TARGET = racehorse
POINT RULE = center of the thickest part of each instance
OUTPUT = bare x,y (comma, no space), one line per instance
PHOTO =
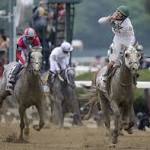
64,97
28,89
117,102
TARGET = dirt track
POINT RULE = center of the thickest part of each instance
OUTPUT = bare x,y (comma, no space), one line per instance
74,138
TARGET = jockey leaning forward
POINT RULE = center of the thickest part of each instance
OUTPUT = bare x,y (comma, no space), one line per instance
124,34
59,60
28,40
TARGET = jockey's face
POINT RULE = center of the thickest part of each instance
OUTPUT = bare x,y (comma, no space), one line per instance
65,52
30,39
119,15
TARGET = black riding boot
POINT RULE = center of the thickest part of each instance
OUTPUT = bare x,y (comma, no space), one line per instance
51,80
14,74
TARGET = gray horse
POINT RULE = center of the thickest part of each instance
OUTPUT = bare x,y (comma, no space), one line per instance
28,89
117,103
64,97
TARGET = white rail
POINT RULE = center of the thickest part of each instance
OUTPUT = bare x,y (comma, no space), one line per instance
140,84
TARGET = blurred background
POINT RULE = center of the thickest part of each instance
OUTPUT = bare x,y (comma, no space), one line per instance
75,21
93,38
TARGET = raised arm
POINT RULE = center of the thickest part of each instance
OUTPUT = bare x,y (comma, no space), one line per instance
104,20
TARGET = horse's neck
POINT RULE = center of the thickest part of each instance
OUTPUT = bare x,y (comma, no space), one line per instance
31,77
125,75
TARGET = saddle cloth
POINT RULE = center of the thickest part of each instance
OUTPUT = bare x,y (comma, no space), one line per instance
101,83
8,76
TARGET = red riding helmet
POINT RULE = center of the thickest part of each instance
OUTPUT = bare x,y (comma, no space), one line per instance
29,33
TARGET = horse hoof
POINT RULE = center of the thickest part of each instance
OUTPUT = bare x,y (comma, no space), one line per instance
21,140
129,131
36,127
112,145
79,123
121,133
114,140
26,131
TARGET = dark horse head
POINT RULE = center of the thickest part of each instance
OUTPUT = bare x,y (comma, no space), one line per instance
67,76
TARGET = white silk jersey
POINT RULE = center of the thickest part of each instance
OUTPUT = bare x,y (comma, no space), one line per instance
58,60
124,35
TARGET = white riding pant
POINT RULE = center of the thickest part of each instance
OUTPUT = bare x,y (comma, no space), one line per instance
54,66
119,43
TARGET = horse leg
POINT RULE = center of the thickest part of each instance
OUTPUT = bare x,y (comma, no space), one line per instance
130,119
58,112
40,109
3,96
26,130
75,109
115,122
105,109
22,124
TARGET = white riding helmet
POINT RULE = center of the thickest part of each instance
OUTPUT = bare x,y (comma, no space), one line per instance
66,47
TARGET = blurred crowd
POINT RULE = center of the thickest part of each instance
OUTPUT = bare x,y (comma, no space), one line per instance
45,19
4,46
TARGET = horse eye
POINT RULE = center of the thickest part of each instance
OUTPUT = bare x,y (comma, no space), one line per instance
127,55
138,55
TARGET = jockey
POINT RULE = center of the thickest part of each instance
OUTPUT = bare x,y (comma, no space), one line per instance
25,42
124,34
59,59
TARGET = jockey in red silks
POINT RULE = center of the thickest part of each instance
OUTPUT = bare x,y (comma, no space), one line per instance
25,42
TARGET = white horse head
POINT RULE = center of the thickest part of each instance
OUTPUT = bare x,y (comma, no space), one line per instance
35,59
132,58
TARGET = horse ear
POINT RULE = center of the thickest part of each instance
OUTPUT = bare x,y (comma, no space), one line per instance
136,45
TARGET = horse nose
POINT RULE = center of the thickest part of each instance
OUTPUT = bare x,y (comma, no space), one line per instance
135,67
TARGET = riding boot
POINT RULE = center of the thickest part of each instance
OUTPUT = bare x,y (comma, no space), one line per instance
106,75
14,74
51,78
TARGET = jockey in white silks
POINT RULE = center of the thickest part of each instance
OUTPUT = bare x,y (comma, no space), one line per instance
124,34
59,59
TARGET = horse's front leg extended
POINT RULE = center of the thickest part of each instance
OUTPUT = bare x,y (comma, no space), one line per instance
130,118
22,124
40,108
105,109
26,130
115,122
75,107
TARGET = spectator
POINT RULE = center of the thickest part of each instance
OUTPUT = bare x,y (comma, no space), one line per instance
39,23
4,45
40,20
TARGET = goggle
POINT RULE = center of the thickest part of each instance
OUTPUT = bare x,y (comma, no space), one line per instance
66,52
30,38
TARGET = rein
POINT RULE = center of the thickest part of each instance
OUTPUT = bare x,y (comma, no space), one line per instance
125,84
